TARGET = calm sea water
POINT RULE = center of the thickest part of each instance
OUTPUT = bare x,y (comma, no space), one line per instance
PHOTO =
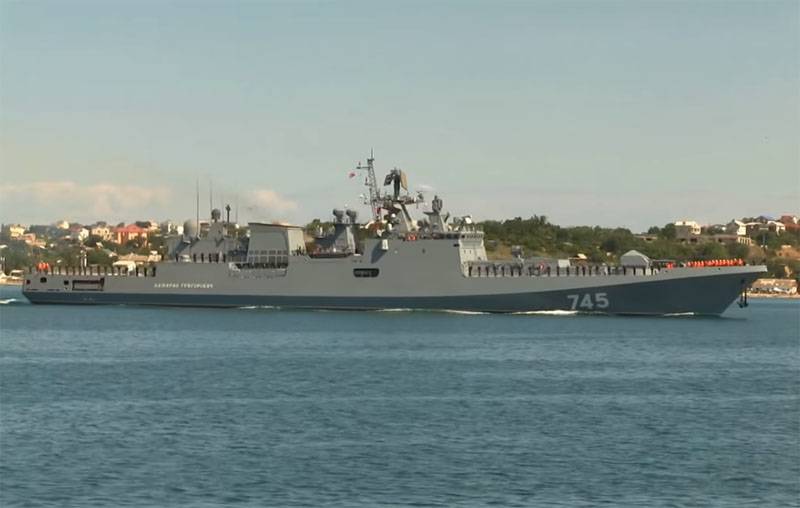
118,406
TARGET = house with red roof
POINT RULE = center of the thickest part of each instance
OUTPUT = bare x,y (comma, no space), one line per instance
791,222
124,234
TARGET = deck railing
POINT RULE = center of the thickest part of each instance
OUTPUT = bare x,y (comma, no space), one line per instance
484,270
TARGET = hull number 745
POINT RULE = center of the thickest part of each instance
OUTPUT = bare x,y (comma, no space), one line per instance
588,301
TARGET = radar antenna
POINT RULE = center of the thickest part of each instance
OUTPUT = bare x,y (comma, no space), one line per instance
372,183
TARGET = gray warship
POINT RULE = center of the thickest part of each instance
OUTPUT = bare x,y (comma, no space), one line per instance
391,261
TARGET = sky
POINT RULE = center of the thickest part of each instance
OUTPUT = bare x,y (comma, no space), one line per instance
611,113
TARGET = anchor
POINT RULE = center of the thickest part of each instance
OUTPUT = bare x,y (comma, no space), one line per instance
743,296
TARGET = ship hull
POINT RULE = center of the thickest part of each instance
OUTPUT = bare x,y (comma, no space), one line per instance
683,291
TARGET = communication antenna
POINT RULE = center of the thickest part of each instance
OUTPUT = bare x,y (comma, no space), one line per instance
210,197
372,184
197,208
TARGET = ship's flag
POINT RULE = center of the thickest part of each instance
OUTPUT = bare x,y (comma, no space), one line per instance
351,174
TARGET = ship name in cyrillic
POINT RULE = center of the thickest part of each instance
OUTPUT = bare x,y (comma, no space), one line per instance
183,285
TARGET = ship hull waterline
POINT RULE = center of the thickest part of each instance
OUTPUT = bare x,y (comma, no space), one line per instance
711,294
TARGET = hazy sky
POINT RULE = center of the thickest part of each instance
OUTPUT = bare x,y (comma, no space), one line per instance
610,113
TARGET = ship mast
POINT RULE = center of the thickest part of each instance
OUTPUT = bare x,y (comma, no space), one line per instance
372,183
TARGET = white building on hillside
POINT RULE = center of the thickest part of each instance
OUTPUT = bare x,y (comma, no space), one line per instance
736,227
16,231
102,231
78,233
687,230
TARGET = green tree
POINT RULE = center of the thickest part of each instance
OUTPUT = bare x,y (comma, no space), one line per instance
92,240
619,241
668,231
711,250
98,257
737,250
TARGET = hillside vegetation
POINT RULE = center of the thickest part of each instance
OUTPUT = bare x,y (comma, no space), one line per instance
538,236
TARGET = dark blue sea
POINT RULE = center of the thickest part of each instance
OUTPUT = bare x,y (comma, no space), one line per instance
135,406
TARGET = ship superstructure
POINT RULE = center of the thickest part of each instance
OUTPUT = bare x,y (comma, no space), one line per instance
393,260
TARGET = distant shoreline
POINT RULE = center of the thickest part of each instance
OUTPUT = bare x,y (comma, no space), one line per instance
768,295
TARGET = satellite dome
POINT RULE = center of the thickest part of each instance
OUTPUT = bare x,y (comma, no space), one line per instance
190,228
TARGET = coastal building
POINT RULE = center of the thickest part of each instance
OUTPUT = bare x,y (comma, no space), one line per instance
770,225
150,226
78,233
753,227
124,234
764,224
730,239
687,231
776,227
63,224
736,227
31,241
15,231
791,222
168,228
102,231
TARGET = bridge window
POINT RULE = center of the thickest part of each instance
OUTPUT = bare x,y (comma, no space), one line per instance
365,272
